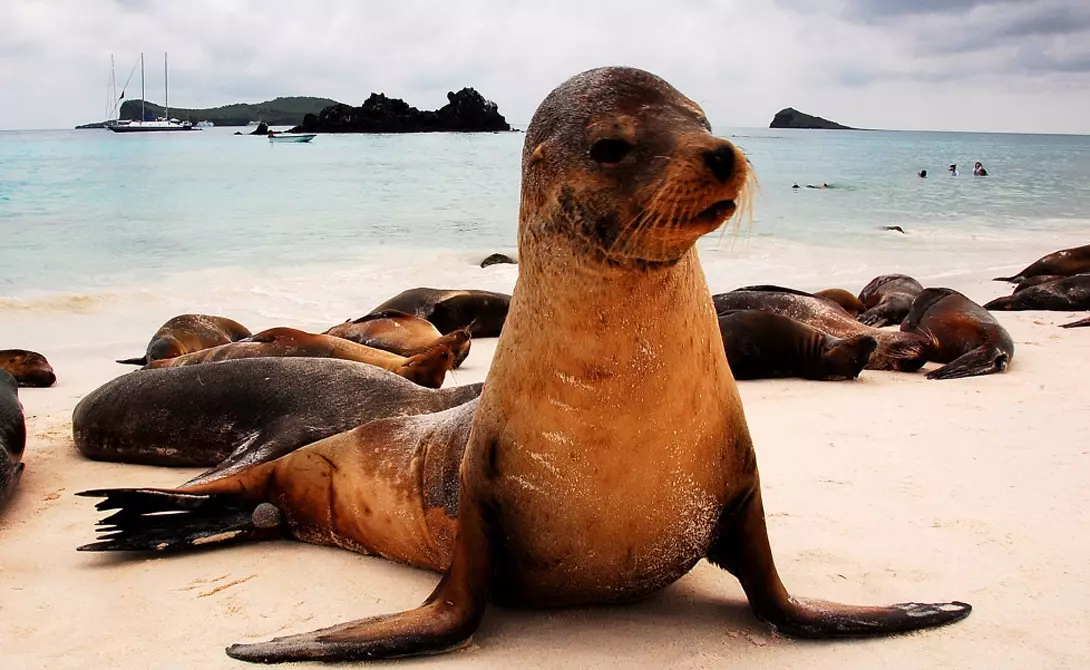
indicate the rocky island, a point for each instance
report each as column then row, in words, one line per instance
column 793, row 118
column 466, row 111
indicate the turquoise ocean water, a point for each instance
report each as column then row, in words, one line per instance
column 208, row 219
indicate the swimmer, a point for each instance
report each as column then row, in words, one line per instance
column 953, row 169
column 923, row 174
column 979, row 171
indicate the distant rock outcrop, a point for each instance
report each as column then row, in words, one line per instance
column 466, row 111
column 262, row 129
column 793, row 118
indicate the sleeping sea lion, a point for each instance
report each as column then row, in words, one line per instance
column 242, row 410
column 427, row 369
column 12, row 437
column 28, row 367
column 905, row 352
column 888, row 299
column 1035, row 280
column 845, row 299
column 187, row 333
column 1065, row 263
column 481, row 312
column 607, row 454
column 1069, row 293
column 964, row 335
column 402, row 334
column 764, row 345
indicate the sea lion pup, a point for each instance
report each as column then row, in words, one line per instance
column 402, row 334
column 764, row 345
column 845, row 299
column 608, row 452
column 12, row 437
column 1065, row 263
column 1035, row 281
column 187, row 333
column 28, row 367
column 427, row 369
column 1069, row 293
column 904, row 352
column 246, row 410
column 481, row 312
column 1081, row 323
column 888, row 299
column 964, row 335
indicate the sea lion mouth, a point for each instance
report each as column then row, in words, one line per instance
column 717, row 213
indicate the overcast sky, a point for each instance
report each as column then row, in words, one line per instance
column 1020, row 65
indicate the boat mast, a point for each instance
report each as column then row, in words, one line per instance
column 142, row 116
column 166, row 90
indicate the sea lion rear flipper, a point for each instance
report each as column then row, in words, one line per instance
column 1081, row 323
column 741, row 547
column 163, row 519
column 444, row 622
column 979, row 361
column 143, row 360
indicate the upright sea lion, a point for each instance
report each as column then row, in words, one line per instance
column 1069, row 293
column 764, row 345
column 888, row 299
column 1035, row 280
column 427, row 369
column 254, row 408
column 964, row 335
column 402, row 334
column 851, row 304
column 12, row 437
column 608, row 453
column 28, row 367
column 481, row 312
column 187, row 333
column 905, row 352
column 1065, row 263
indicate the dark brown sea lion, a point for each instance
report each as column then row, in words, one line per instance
column 608, row 452
column 888, row 299
column 964, row 335
column 764, row 345
column 402, row 334
column 246, row 410
column 1069, row 293
column 28, row 367
column 1065, row 263
column 1081, row 323
column 851, row 304
column 187, row 333
column 427, row 369
column 12, row 437
column 481, row 312
column 904, row 352
column 1034, row 281
column 498, row 259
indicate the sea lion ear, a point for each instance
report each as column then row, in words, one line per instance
column 538, row 154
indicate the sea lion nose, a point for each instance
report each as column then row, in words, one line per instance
column 720, row 161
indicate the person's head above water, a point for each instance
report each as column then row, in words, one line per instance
column 923, row 174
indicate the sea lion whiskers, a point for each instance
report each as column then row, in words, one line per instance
column 642, row 220
column 743, row 206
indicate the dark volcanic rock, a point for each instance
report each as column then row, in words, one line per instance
column 793, row 118
column 496, row 259
column 466, row 111
column 262, row 129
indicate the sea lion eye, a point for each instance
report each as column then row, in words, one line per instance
column 609, row 152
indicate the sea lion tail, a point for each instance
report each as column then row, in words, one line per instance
column 143, row 360
column 164, row 520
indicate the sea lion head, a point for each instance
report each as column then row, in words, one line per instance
column 845, row 359
column 29, row 368
column 619, row 161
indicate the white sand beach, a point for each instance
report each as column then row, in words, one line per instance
column 884, row 489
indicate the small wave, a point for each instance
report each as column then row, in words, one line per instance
column 79, row 303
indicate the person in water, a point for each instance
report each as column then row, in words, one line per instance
column 794, row 186
column 979, row 171
column 923, row 174
column 953, row 169
column 823, row 185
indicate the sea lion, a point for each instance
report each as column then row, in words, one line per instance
column 845, row 299
column 905, row 352
column 887, row 299
column 1081, row 323
column 607, row 454
column 28, row 367
column 12, row 437
column 252, row 408
column 187, row 333
column 1065, row 263
column 497, row 259
column 427, row 369
column 764, row 345
column 1035, row 280
column 402, row 334
column 964, row 335
column 481, row 312
column 1069, row 293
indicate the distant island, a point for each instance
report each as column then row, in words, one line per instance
column 466, row 111
column 793, row 118
column 276, row 112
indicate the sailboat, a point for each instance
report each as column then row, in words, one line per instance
column 159, row 125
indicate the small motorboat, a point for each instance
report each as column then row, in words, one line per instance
column 290, row 137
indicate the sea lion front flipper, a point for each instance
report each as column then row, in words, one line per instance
column 741, row 547
column 444, row 622
column 1081, row 323
column 877, row 317
column 980, row 361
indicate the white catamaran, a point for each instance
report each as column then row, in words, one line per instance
column 165, row 123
